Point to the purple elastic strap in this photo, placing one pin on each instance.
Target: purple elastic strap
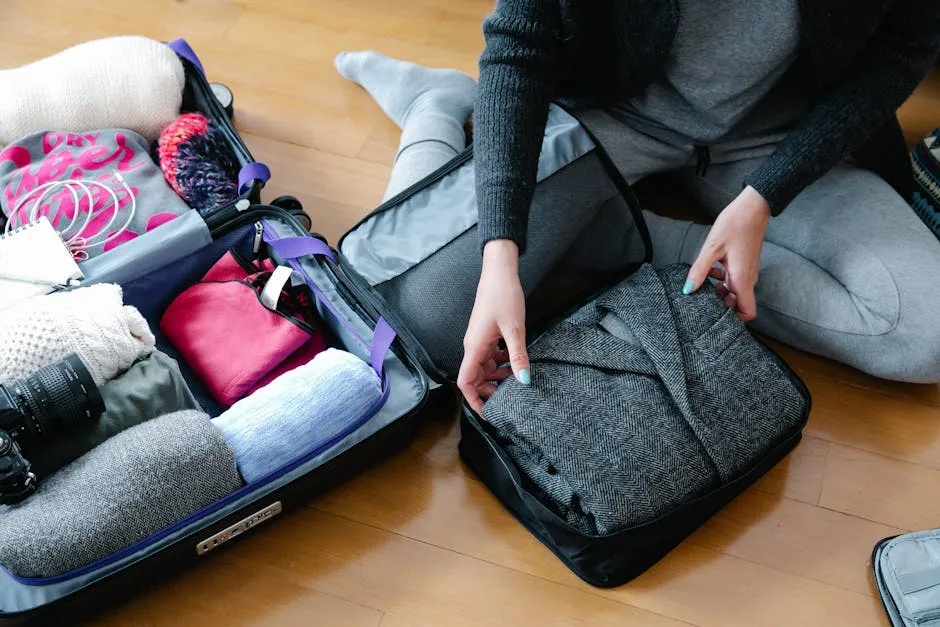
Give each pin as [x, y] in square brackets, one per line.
[184, 50]
[382, 341]
[253, 171]
[295, 247]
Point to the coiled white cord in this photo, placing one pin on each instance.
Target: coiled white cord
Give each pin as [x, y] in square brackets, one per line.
[76, 241]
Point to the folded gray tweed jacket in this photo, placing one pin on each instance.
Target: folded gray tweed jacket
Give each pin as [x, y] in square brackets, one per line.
[642, 401]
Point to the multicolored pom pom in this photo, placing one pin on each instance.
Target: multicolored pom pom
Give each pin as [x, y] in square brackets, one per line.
[198, 163]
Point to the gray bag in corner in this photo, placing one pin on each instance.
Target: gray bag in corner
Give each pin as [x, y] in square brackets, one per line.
[907, 573]
[419, 251]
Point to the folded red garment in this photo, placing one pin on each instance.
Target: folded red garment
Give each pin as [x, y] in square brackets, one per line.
[230, 339]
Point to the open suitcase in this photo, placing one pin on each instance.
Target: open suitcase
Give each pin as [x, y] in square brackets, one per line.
[375, 294]
[155, 268]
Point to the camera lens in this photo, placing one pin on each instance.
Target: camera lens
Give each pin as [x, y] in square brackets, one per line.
[56, 397]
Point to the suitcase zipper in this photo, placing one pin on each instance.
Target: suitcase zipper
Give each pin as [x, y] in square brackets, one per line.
[259, 236]
[363, 292]
[217, 114]
[411, 190]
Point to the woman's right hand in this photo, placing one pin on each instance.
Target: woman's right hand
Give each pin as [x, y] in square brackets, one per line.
[498, 313]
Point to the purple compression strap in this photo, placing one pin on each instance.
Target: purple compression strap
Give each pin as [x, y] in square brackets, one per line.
[291, 249]
[381, 343]
[183, 49]
[295, 247]
[253, 171]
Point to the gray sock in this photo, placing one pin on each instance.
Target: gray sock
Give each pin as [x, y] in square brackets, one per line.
[406, 90]
[429, 105]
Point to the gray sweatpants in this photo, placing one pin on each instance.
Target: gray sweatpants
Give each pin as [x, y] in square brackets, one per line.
[848, 271]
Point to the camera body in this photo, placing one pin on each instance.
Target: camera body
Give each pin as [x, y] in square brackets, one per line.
[13, 420]
[16, 480]
[53, 399]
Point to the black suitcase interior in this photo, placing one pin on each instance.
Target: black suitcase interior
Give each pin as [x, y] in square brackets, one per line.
[150, 283]
[361, 294]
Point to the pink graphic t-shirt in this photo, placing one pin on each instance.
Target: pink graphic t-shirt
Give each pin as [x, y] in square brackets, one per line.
[105, 156]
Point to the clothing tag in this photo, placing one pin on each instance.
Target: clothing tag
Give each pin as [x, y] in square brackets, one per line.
[272, 290]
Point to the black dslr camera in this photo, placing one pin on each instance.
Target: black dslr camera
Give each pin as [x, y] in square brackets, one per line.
[52, 399]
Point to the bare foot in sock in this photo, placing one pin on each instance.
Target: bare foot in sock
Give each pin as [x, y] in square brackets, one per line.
[404, 89]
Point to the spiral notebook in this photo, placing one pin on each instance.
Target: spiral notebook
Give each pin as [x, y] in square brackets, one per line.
[34, 261]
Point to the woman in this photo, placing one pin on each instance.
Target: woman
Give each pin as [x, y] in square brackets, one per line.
[784, 108]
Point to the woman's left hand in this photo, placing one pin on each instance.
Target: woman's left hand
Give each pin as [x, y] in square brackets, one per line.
[735, 242]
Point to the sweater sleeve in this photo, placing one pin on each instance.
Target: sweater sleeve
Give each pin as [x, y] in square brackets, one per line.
[518, 73]
[900, 54]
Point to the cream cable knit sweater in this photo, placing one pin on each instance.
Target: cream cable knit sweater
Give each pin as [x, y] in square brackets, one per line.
[120, 82]
[90, 321]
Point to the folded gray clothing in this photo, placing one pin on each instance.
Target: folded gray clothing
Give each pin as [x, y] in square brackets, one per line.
[150, 388]
[133, 485]
[642, 402]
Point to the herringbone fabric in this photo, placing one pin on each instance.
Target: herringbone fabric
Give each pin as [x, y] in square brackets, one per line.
[619, 428]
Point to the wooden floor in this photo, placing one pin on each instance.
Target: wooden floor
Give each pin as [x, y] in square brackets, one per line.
[418, 541]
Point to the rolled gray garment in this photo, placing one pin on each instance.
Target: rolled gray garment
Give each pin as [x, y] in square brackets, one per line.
[138, 482]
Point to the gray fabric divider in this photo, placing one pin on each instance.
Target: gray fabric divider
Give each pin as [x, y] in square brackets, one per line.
[910, 567]
[434, 298]
[407, 390]
[390, 243]
[174, 240]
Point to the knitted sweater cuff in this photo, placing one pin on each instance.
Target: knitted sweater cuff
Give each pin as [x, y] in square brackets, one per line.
[778, 181]
[503, 214]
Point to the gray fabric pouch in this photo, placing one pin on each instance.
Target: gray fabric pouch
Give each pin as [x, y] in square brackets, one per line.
[641, 401]
[150, 388]
[907, 573]
[420, 252]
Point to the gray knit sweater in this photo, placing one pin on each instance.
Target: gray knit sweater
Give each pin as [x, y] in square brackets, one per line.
[865, 56]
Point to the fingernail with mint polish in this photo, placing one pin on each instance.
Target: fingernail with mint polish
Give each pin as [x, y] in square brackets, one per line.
[524, 377]
[688, 287]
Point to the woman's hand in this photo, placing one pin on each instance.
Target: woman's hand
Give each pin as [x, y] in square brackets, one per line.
[498, 313]
[735, 241]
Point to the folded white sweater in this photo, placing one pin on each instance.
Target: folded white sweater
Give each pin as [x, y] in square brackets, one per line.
[90, 321]
[126, 82]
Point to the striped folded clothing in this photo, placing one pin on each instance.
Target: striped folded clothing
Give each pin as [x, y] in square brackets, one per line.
[926, 161]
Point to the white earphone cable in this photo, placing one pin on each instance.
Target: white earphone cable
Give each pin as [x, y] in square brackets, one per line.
[22, 215]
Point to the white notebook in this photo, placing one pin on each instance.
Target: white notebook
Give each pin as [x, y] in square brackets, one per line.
[34, 261]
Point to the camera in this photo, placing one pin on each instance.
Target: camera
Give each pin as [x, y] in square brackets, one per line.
[39, 406]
